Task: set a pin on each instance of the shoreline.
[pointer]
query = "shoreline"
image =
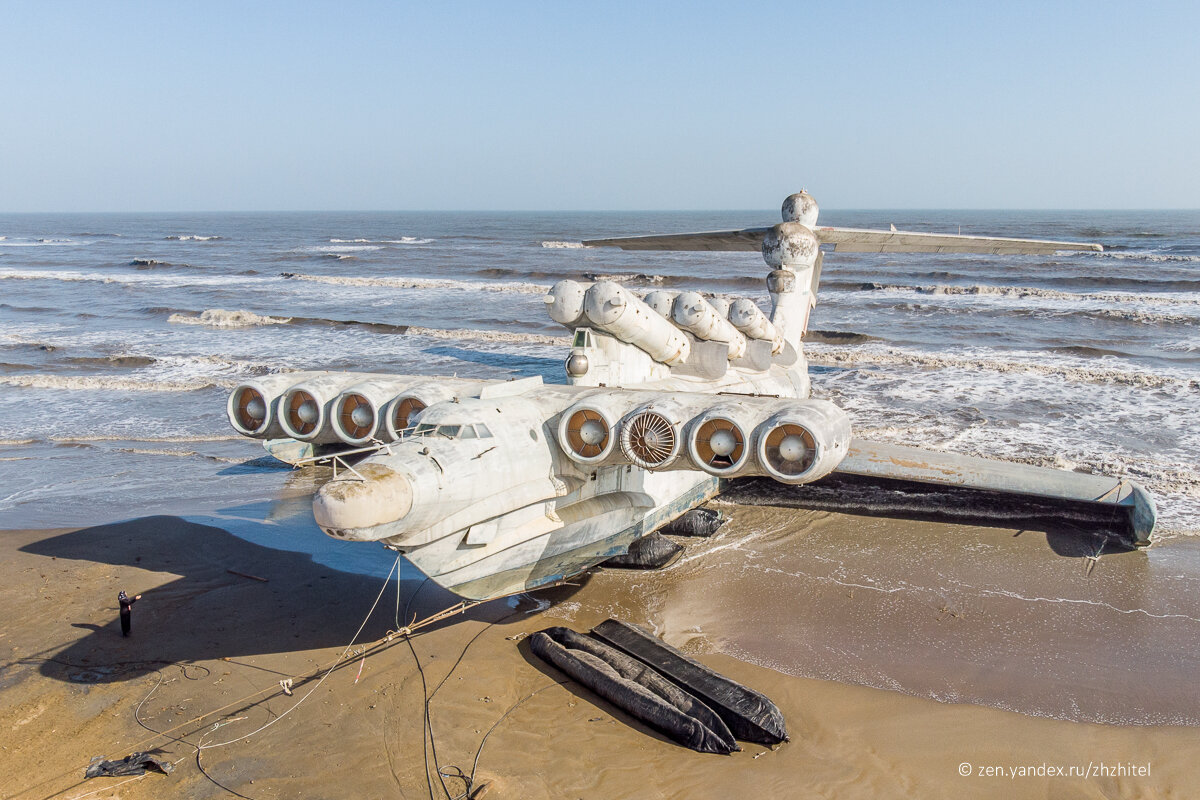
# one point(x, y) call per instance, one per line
point(204, 636)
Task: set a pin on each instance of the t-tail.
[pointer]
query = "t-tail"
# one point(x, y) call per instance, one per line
point(794, 251)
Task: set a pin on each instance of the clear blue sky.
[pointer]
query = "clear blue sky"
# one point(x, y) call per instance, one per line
point(116, 106)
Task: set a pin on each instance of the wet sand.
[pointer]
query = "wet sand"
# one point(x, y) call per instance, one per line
point(931, 609)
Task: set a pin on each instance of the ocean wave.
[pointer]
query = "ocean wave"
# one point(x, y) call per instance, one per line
point(129, 361)
point(1025, 292)
point(420, 283)
point(626, 277)
point(191, 237)
point(96, 235)
point(220, 318)
point(341, 256)
point(1156, 258)
point(180, 439)
point(111, 384)
point(401, 240)
point(874, 356)
point(554, 245)
point(143, 277)
point(39, 242)
point(475, 334)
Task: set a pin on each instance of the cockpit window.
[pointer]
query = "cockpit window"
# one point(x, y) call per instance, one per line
point(479, 431)
point(582, 339)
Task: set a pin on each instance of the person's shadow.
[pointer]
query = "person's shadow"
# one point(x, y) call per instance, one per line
point(211, 611)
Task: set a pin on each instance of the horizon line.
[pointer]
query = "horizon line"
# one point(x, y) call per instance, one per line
point(591, 211)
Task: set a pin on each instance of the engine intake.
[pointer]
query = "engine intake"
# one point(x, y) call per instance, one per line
point(804, 443)
point(719, 441)
point(650, 436)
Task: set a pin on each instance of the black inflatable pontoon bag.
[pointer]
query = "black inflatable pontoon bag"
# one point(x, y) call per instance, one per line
point(697, 522)
point(653, 551)
point(634, 688)
point(749, 714)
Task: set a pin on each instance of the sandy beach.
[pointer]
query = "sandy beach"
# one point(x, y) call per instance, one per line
point(206, 637)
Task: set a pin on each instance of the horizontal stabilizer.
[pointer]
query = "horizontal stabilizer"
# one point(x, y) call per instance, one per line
point(853, 240)
point(856, 240)
point(749, 239)
point(900, 462)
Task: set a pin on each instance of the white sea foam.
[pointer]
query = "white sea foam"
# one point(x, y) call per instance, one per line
point(490, 336)
point(1027, 292)
point(890, 356)
point(147, 278)
point(1157, 258)
point(401, 240)
point(191, 237)
point(219, 318)
point(39, 242)
point(553, 245)
point(111, 383)
point(422, 283)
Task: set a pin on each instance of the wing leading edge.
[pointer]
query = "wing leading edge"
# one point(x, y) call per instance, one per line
point(852, 240)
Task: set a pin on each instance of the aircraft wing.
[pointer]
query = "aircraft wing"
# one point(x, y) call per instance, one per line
point(858, 240)
point(901, 462)
point(749, 239)
point(853, 240)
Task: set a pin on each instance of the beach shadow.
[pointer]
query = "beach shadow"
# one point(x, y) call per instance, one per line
point(218, 607)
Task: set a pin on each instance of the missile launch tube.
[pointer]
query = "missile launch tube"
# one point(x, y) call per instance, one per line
point(565, 303)
point(748, 318)
point(693, 313)
point(620, 313)
point(661, 301)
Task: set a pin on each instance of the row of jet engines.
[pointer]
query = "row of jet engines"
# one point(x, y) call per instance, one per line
point(656, 322)
point(792, 441)
point(327, 407)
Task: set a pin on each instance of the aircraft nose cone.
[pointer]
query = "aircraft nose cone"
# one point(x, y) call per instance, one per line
point(350, 504)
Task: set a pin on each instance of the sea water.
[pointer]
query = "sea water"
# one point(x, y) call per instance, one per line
point(121, 335)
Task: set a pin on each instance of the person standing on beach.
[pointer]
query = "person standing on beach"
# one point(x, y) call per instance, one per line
point(126, 610)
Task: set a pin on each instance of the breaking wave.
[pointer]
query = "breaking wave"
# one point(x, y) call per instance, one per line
point(1023, 292)
point(111, 384)
point(219, 318)
point(401, 240)
point(841, 357)
point(420, 283)
point(490, 336)
point(553, 245)
point(191, 237)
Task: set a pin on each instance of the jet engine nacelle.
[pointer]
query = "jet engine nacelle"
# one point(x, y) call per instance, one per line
point(588, 432)
point(358, 413)
point(652, 434)
point(304, 409)
point(791, 442)
point(803, 442)
point(252, 405)
point(403, 410)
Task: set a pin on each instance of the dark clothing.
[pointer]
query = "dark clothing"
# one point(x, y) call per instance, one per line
point(126, 611)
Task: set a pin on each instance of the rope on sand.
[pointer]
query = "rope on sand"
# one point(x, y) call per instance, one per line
point(285, 686)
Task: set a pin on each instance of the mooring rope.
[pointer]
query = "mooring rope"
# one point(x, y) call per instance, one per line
point(284, 686)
